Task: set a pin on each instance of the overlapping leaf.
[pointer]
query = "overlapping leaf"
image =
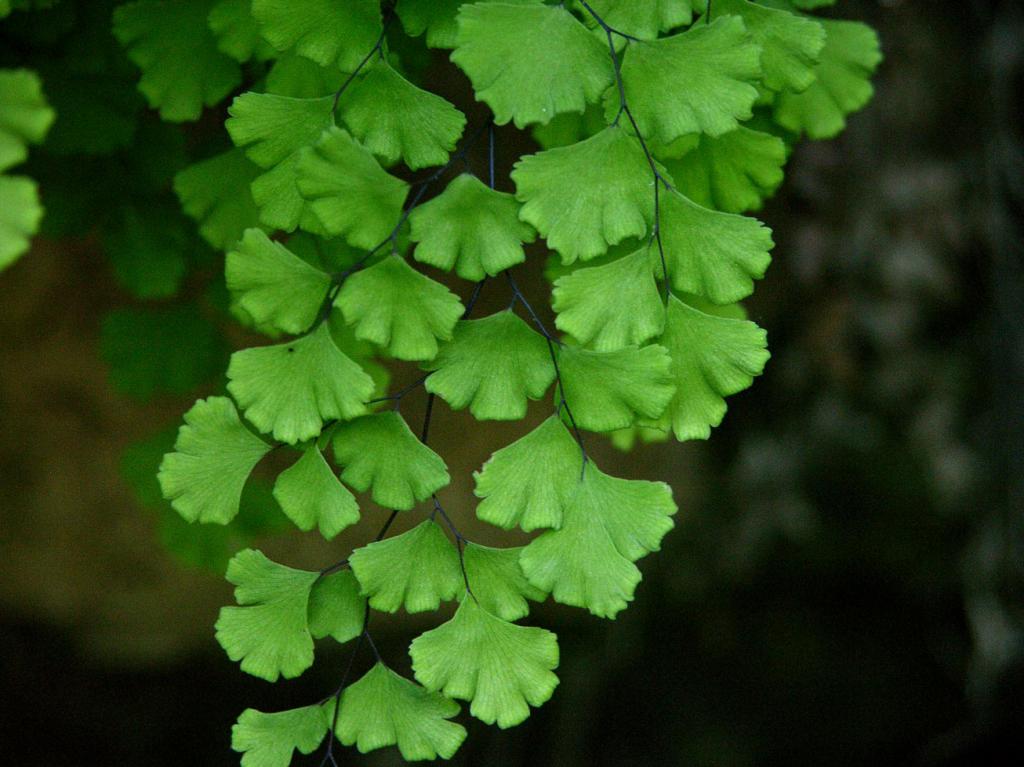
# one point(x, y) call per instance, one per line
point(587, 196)
point(398, 121)
point(396, 307)
point(698, 81)
point(313, 497)
point(470, 227)
point(610, 390)
point(530, 62)
point(213, 456)
point(499, 585)
point(215, 192)
point(494, 365)
point(608, 525)
point(380, 453)
point(529, 482)
point(418, 569)
point(712, 358)
point(326, 31)
point(268, 632)
point(336, 607)
point(384, 709)
point(611, 306)
point(290, 389)
point(499, 666)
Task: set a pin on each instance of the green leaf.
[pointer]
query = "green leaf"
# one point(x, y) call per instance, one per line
point(585, 197)
point(396, 120)
point(273, 285)
point(498, 582)
point(494, 365)
point(499, 666)
point(272, 129)
point(644, 20)
point(791, 43)
point(290, 389)
point(435, 17)
point(20, 214)
point(268, 633)
point(418, 569)
point(381, 454)
point(213, 456)
point(715, 255)
point(215, 192)
point(147, 247)
point(236, 31)
point(712, 358)
point(182, 68)
point(394, 306)
point(326, 31)
point(611, 306)
point(470, 227)
point(336, 607)
point(268, 740)
point(311, 496)
point(25, 116)
point(699, 81)
point(842, 85)
point(156, 350)
point(734, 172)
point(608, 525)
point(529, 482)
point(529, 63)
point(350, 194)
point(609, 390)
point(301, 78)
point(385, 709)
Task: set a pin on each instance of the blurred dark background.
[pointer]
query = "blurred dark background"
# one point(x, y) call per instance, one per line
point(844, 585)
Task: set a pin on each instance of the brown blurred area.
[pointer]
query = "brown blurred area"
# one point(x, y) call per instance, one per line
point(845, 579)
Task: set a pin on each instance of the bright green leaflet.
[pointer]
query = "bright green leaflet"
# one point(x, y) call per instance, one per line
point(381, 454)
point(326, 31)
point(385, 709)
point(237, 33)
point(213, 456)
point(610, 390)
point(470, 227)
point(418, 569)
point(715, 255)
point(499, 666)
point(273, 285)
point(348, 191)
point(712, 358)
point(268, 633)
point(698, 81)
point(396, 307)
point(311, 496)
point(272, 129)
point(268, 740)
point(159, 36)
point(642, 19)
point(791, 43)
point(289, 390)
point(215, 192)
point(498, 582)
point(336, 607)
point(25, 116)
point(843, 82)
point(529, 63)
point(20, 214)
point(494, 365)
point(529, 482)
point(587, 196)
point(398, 121)
point(611, 306)
point(608, 525)
point(733, 173)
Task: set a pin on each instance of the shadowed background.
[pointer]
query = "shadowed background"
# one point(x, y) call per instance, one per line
point(844, 582)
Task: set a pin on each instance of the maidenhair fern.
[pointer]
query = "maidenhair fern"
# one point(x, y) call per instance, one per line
point(661, 124)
